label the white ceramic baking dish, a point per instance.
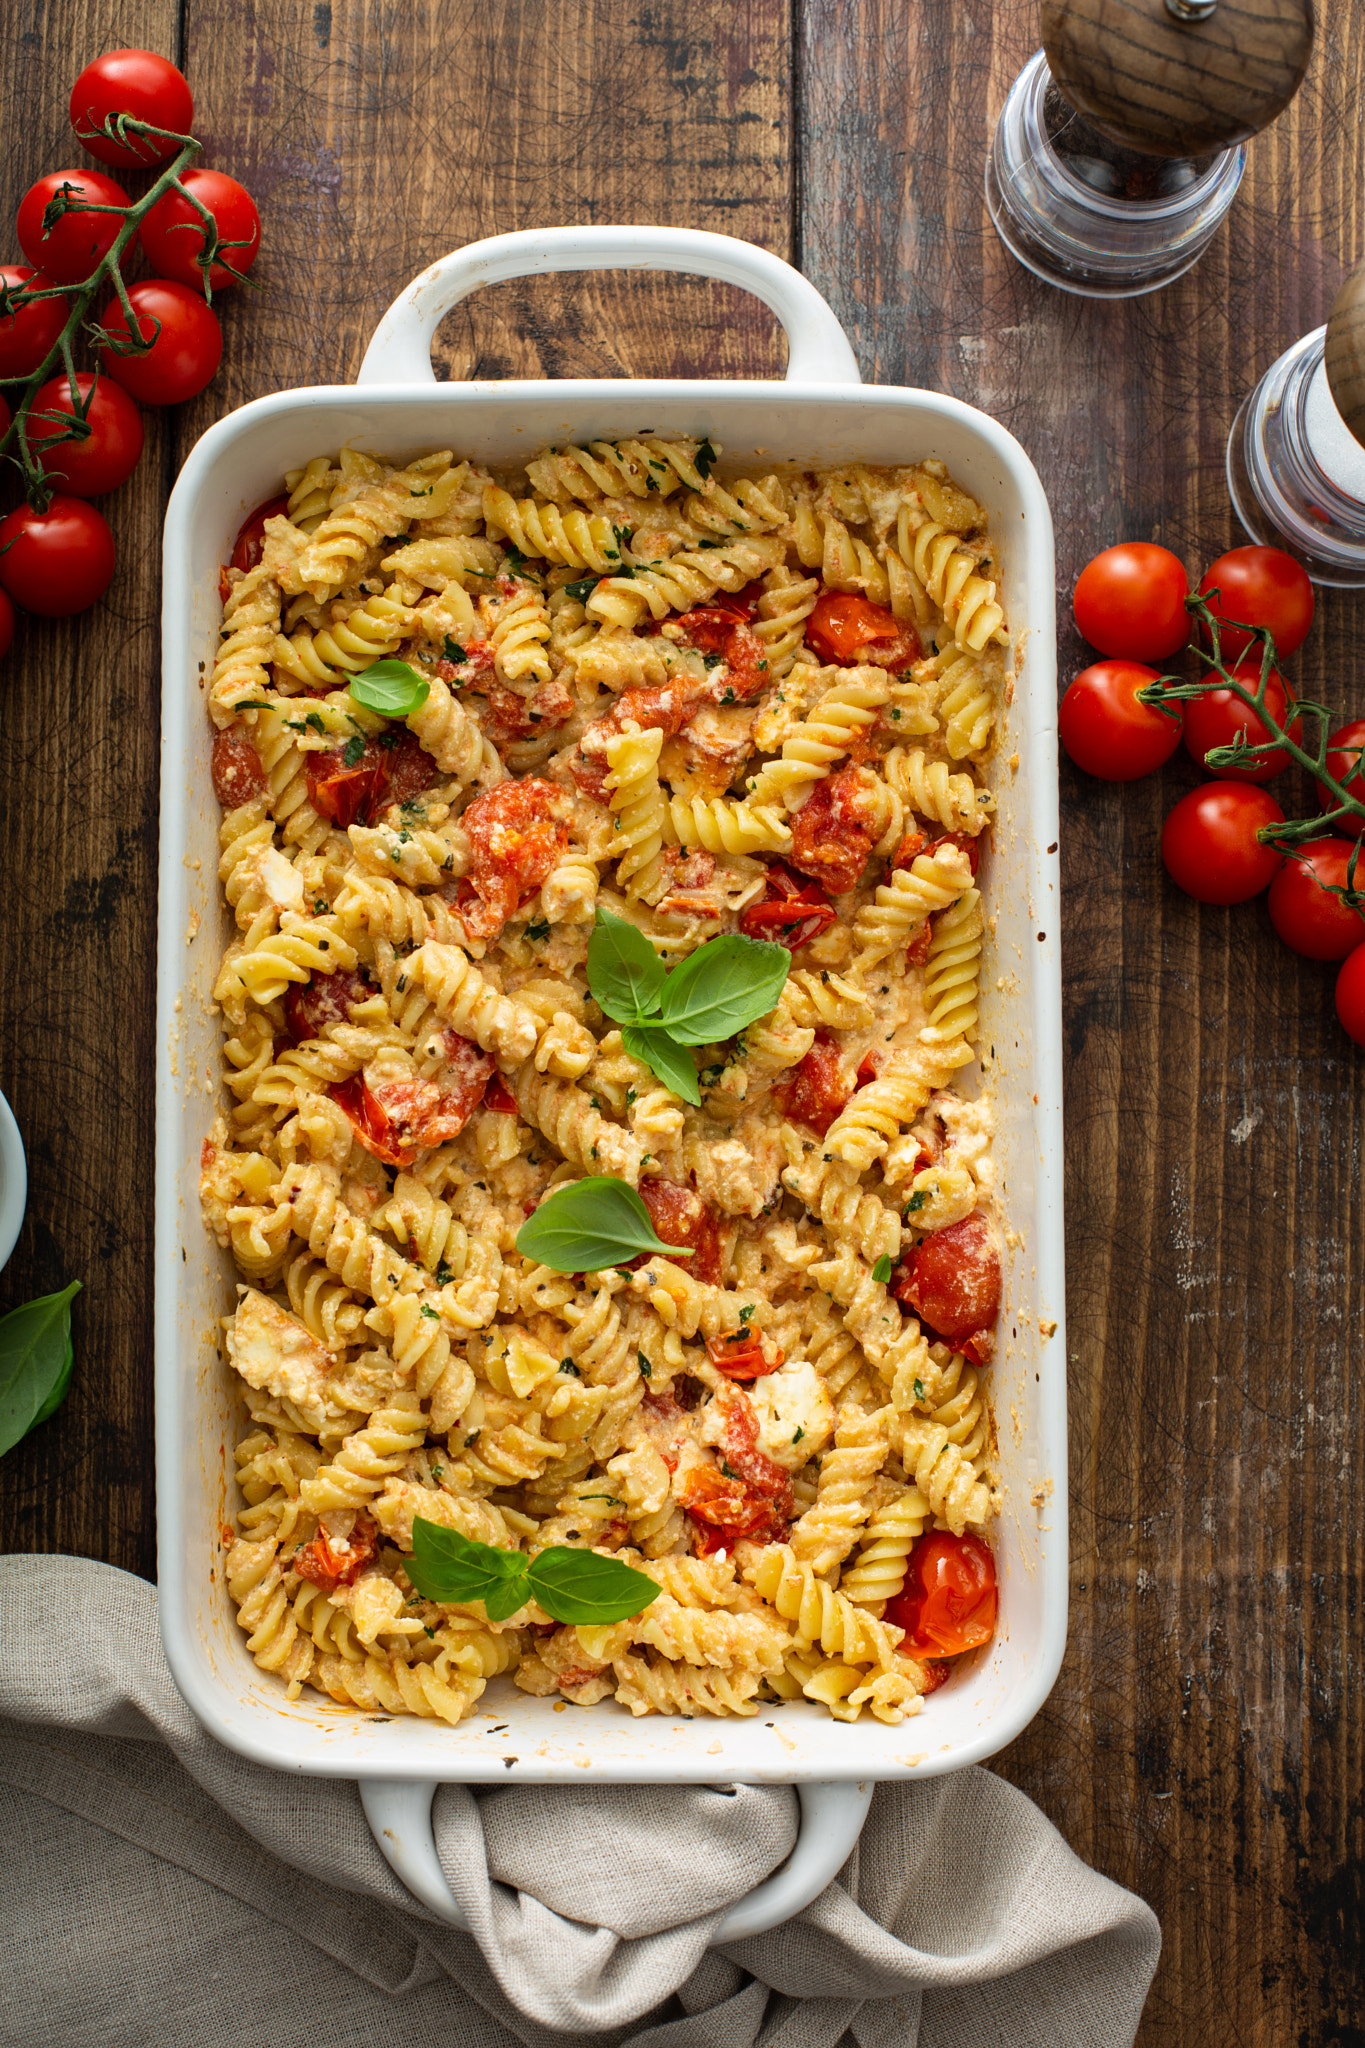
(820, 415)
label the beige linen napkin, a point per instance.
(156, 1888)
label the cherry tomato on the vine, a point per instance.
(184, 355)
(56, 562)
(26, 336)
(110, 452)
(73, 245)
(1307, 916)
(950, 1598)
(1346, 760)
(1130, 601)
(1259, 587)
(135, 82)
(1209, 842)
(1351, 995)
(1108, 731)
(6, 624)
(173, 235)
(1216, 718)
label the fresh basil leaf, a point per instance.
(881, 1272)
(505, 1599)
(724, 985)
(447, 1566)
(672, 1062)
(580, 1586)
(391, 688)
(36, 1357)
(625, 973)
(590, 1225)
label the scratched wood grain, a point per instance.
(1203, 1744)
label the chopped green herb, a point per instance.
(352, 751)
(646, 1369)
(919, 1390)
(537, 930)
(881, 1272)
(583, 589)
(705, 459)
(917, 1201)
(452, 650)
(428, 1311)
(567, 1365)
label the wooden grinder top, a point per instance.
(1178, 88)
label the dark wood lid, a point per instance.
(1178, 88)
(1346, 352)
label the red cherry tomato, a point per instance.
(135, 82)
(26, 336)
(950, 1598)
(250, 541)
(1130, 601)
(173, 233)
(56, 562)
(1216, 718)
(6, 624)
(842, 625)
(73, 245)
(1210, 847)
(108, 455)
(183, 355)
(1302, 909)
(1351, 995)
(1259, 587)
(1346, 760)
(1107, 731)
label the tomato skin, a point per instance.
(182, 359)
(813, 1093)
(6, 624)
(843, 625)
(680, 1217)
(834, 831)
(110, 452)
(1258, 587)
(1351, 995)
(172, 234)
(1307, 917)
(1130, 601)
(56, 562)
(26, 336)
(1348, 766)
(1216, 718)
(135, 82)
(950, 1598)
(1210, 847)
(78, 241)
(238, 772)
(1105, 729)
(952, 1281)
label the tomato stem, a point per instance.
(15, 445)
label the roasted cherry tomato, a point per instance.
(950, 1598)
(500, 1097)
(324, 999)
(135, 82)
(1346, 760)
(70, 248)
(813, 1093)
(952, 1281)
(793, 913)
(1303, 910)
(1210, 847)
(6, 624)
(26, 336)
(173, 234)
(1217, 717)
(741, 1357)
(56, 562)
(186, 343)
(329, 1565)
(681, 1217)
(834, 831)
(1258, 587)
(108, 454)
(846, 628)
(246, 549)
(1351, 995)
(1130, 601)
(238, 772)
(1108, 731)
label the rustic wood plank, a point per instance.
(1201, 1745)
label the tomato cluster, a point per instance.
(157, 341)
(1131, 604)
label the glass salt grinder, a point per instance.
(1296, 453)
(1122, 142)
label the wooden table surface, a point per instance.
(1203, 1744)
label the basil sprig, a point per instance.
(590, 1225)
(390, 687)
(36, 1357)
(572, 1585)
(720, 988)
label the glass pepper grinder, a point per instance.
(1296, 453)
(1122, 142)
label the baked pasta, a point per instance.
(703, 704)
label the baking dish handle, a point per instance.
(817, 347)
(832, 1816)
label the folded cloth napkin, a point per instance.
(156, 1888)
